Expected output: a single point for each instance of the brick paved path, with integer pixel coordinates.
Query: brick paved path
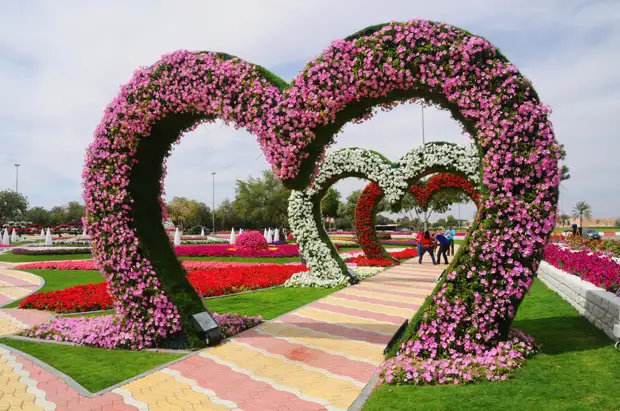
(15, 285)
(316, 358)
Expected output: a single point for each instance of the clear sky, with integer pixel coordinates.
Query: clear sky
(61, 63)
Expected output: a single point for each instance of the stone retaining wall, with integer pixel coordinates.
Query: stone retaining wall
(600, 307)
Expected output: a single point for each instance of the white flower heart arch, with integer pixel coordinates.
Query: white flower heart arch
(326, 267)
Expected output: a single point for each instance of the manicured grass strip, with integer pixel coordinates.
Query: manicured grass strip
(273, 260)
(23, 258)
(61, 279)
(268, 303)
(93, 368)
(578, 369)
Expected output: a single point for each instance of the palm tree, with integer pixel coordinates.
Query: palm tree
(582, 210)
(565, 219)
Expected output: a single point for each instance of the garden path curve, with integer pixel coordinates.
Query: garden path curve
(318, 357)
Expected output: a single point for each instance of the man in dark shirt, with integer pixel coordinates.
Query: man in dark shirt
(444, 244)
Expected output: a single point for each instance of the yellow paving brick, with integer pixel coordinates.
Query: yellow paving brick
(162, 392)
(31, 278)
(348, 320)
(359, 305)
(392, 288)
(361, 292)
(13, 291)
(338, 392)
(353, 349)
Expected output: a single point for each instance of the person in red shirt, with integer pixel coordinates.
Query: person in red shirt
(426, 244)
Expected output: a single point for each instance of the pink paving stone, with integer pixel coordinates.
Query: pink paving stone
(336, 364)
(5, 300)
(390, 292)
(248, 394)
(29, 317)
(18, 282)
(336, 329)
(386, 318)
(399, 304)
(64, 396)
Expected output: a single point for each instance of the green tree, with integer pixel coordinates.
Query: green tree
(262, 202)
(564, 219)
(58, 215)
(13, 206)
(188, 213)
(451, 221)
(37, 215)
(330, 202)
(582, 210)
(346, 210)
(74, 211)
(439, 203)
(226, 216)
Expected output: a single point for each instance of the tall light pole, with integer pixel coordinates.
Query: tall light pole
(422, 123)
(17, 178)
(213, 210)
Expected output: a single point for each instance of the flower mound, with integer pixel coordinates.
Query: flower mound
(492, 365)
(106, 330)
(251, 241)
(224, 250)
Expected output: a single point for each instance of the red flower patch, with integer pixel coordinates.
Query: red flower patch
(207, 282)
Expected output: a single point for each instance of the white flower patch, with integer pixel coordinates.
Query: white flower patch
(394, 180)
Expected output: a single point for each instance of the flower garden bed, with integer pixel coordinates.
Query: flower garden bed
(362, 261)
(207, 279)
(51, 250)
(226, 250)
(597, 269)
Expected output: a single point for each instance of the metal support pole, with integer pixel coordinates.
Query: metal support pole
(17, 178)
(213, 210)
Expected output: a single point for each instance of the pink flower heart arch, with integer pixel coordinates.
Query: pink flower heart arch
(294, 123)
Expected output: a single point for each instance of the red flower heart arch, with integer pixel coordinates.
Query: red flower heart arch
(366, 209)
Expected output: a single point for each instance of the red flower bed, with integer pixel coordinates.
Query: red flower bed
(363, 261)
(208, 282)
(243, 278)
(81, 298)
(599, 270)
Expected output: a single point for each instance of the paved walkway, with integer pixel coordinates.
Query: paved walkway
(15, 285)
(318, 357)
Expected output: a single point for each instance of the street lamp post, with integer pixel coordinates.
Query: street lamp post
(17, 178)
(213, 210)
(422, 124)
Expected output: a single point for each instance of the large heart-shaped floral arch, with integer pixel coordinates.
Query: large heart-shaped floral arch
(377, 67)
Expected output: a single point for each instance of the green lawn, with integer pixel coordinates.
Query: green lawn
(61, 279)
(94, 368)
(268, 303)
(578, 370)
(23, 258)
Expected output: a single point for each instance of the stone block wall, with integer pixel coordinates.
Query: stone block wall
(600, 307)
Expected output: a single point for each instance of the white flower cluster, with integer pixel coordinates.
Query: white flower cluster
(394, 179)
(442, 157)
(359, 162)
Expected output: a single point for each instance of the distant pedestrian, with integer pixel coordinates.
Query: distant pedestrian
(444, 244)
(419, 237)
(574, 230)
(427, 246)
(450, 234)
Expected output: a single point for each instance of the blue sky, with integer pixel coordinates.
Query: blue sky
(61, 63)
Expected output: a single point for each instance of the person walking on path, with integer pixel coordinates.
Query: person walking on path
(427, 246)
(419, 237)
(450, 234)
(444, 244)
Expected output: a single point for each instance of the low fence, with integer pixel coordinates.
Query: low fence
(600, 307)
